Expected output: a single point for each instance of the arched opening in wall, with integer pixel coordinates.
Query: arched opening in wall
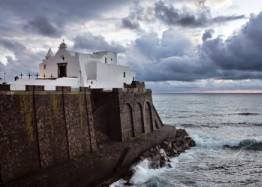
(129, 129)
(156, 124)
(139, 123)
(148, 116)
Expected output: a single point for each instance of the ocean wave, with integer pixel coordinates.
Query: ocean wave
(243, 124)
(219, 125)
(144, 176)
(189, 125)
(211, 142)
(247, 114)
(247, 144)
(143, 173)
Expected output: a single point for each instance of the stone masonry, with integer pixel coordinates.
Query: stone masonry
(44, 129)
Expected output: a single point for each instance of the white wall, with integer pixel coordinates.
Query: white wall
(90, 69)
(105, 56)
(111, 76)
(48, 84)
(73, 68)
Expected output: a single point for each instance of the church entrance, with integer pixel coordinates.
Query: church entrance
(62, 70)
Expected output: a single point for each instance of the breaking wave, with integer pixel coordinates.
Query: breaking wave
(247, 114)
(248, 144)
(144, 176)
(216, 142)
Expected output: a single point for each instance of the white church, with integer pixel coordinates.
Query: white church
(69, 68)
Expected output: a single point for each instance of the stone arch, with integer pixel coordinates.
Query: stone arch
(148, 117)
(157, 124)
(139, 123)
(129, 130)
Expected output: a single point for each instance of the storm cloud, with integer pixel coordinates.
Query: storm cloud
(48, 18)
(240, 52)
(207, 34)
(187, 18)
(43, 26)
(130, 23)
(25, 61)
(237, 58)
(91, 42)
(160, 40)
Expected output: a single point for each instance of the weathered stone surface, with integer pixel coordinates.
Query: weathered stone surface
(18, 145)
(43, 129)
(65, 138)
(90, 170)
(50, 119)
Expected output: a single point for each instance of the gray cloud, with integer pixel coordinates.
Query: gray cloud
(241, 52)
(237, 58)
(49, 17)
(130, 24)
(25, 60)
(186, 18)
(92, 42)
(207, 34)
(43, 26)
(165, 58)
(171, 57)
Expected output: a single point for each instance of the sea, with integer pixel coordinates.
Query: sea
(213, 121)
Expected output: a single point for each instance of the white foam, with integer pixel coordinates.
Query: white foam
(143, 172)
(119, 183)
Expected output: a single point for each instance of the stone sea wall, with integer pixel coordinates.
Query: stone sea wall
(42, 129)
(65, 137)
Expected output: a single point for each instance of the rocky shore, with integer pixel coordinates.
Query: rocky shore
(171, 147)
(160, 154)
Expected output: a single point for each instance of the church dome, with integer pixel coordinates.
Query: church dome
(62, 45)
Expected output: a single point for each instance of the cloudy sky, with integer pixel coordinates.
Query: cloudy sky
(174, 45)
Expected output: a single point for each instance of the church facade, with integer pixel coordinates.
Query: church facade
(69, 68)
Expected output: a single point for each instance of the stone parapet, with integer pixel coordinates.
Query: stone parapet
(4, 87)
(63, 88)
(34, 88)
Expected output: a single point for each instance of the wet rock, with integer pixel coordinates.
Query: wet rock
(159, 154)
(163, 157)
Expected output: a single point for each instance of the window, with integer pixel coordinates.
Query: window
(63, 57)
(124, 74)
(111, 59)
(106, 60)
(44, 66)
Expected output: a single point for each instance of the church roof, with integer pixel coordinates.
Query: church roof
(49, 53)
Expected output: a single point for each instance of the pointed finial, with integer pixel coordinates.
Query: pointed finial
(63, 45)
(49, 53)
